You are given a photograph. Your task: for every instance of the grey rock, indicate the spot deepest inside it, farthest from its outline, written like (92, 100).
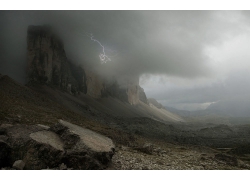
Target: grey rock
(19, 165)
(38, 148)
(48, 137)
(62, 166)
(66, 143)
(85, 149)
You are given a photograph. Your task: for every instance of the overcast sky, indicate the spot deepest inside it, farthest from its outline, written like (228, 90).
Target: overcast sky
(185, 59)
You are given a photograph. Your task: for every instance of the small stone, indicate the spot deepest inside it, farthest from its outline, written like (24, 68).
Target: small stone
(163, 152)
(19, 165)
(62, 166)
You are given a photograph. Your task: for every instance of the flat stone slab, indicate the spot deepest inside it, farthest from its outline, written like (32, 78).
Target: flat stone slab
(48, 137)
(39, 147)
(91, 139)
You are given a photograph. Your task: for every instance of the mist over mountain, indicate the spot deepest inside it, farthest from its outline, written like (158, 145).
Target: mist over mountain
(184, 59)
(234, 107)
(134, 46)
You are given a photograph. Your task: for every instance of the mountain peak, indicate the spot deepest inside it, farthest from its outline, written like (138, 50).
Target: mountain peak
(48, 63)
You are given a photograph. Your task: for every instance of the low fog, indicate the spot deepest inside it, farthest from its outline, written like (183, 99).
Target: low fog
(188, 60)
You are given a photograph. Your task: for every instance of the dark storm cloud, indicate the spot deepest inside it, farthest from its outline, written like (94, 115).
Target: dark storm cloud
(206, 51)
(138, 42)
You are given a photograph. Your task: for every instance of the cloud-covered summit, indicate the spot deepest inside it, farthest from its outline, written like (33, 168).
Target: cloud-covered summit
(137, 42)
(194, 53)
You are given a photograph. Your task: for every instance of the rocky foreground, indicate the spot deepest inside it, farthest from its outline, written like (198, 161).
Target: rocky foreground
(65, 146)
(32, 137)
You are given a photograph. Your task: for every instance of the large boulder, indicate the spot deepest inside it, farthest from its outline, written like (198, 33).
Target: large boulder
(84, 149)
(45, 150)
(64, 143)
(34, 146)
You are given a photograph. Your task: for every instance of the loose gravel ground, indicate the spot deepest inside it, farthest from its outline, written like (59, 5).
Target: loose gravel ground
(173, 158)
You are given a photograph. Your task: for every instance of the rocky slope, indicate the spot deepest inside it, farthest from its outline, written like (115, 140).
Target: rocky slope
(22, 108)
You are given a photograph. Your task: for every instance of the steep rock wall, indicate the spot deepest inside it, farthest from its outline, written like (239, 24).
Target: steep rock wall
(142, 95)
(95, 84)
(133, 91)
(48, 63)
(128, 91)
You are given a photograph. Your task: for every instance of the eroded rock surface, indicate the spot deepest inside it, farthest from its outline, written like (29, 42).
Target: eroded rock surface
(91, 139)
(84, 148)
(48, 63)
(47, 137)
(63, 143)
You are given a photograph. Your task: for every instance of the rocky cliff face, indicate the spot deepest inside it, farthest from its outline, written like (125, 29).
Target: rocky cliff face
(130, 91)
(95, 84)
(142, 96)
(133, 91)
(48, 63)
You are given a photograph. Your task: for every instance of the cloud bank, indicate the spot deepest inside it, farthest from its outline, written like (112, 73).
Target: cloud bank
(182, 57)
